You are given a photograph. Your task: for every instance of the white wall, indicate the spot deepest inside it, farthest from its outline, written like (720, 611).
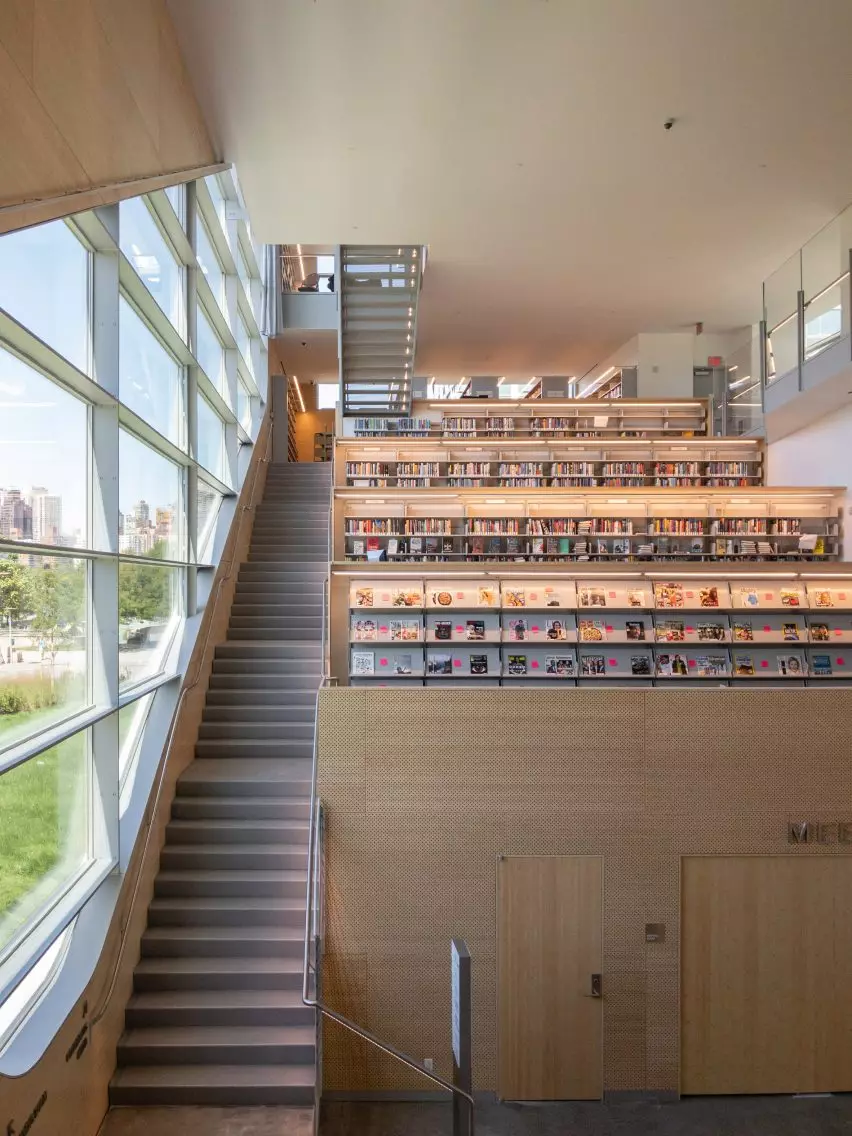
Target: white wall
(818, 454)
(665, 364)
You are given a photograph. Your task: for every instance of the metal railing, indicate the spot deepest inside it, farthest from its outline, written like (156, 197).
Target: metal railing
(315, 901)
(160, 777)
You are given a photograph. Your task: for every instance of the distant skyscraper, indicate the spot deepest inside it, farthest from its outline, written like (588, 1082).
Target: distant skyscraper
(141, 514)
(164, 521)
(46, 516)
(16, 516)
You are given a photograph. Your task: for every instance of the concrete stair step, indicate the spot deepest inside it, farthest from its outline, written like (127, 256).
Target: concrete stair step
(226, 911)
(248, 713)
(234, 1045)
(227, 942)
(222, 973)
(305, 648)
(265, 731)
(189, 885)
(231, 857)
(221, 1086)
(284, 683)
(274, 633)
(208, 830)
(265, 698)
(246, 777)
(298, 748)
(296, 605)
(206, 1008)
(291, 664)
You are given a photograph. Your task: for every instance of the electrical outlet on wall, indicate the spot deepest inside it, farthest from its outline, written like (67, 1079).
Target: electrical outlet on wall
(429, 1062)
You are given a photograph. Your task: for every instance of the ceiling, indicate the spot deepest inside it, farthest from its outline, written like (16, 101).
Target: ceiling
(523, 142)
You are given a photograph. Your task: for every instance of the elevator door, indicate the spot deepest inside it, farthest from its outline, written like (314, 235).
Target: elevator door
(550, 986)
(766, 974)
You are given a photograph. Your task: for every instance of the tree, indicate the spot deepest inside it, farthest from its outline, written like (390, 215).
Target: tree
(57, 603)
(14, 590)
(144, 593)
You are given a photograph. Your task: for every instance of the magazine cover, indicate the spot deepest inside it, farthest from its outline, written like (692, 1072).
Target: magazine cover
(442, 599)
(822, 598)
(439, 664)
(560, 665)
(709, 666)
(479, 664)
(790, 598)
(592, 665)
(517, 665)
(363, 597)
(743, 631)
(591, 630)
(749, 597)
(819, 632)
(635, 628)
(402, 665)
(793, 667)
(711, 632)
(365, 629)
(487, 596)
(443, 629)
(708, 596)
(668, 595)
(405, 597)
(821, 664)
(790, 632)
(475, 629)
(743, 665)
(635, 597)
(640, 665)
(363, 663)
(671, 631)
(591, 596)
(556, 629)
(405, 630)
(514, 597)
(518, 630)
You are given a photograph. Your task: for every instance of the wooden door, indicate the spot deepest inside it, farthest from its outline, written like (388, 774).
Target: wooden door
(766, 974)
(549, 912)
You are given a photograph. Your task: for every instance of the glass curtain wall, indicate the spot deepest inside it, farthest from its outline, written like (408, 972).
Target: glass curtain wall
(118, 445)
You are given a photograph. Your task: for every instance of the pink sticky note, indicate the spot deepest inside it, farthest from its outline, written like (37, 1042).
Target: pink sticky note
(690, 595)
(764, 662)
(608, 628)
(838, 631)
(613, 662)
(534, 664)
(612, 595)
(535, 629)
(841, 663)
(383, 630)
(459, 628)
(459, 595)
(383, 662)
(690, 630)
(769, 595)
(841, 595)
(533, 595)
(456, 662)
(691, 663)
(767, 628)
(386, 596)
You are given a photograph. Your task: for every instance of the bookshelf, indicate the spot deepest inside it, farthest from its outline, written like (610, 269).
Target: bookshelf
(540, 418)
(558, 463)
(649, 628)
(628, 525)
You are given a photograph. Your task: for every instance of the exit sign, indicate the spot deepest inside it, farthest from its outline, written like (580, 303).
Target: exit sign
(714, 360)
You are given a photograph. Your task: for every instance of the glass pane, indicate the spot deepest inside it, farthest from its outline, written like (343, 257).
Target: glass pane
(150, 380)
(177, 196)
(43, 456)
(145, 247)
(211, 439)
(209, 352)
(44, 285)
(244, 408)
(208, 262)
(45, 808)
(131, 725)
(244, 342)
(150, 502)
(43, 643)
(243, 271)
(215, 190)
(150, 606)
(207, 508)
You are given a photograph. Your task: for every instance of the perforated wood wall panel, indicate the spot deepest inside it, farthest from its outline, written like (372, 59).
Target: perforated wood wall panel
(425, 788)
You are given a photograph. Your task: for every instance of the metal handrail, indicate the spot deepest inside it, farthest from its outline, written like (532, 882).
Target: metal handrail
(316, 852)
(161, 772)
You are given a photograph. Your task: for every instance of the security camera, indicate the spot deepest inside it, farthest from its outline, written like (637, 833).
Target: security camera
(304, 343)
(668, 124)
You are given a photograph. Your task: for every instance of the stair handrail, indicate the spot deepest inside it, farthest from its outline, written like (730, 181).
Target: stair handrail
(315, 891)
(153, 809)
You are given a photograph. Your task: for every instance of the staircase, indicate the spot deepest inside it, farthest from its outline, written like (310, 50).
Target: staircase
(216, 1017)
(379, 289)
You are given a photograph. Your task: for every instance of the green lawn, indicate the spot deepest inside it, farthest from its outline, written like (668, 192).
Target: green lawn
(43, 828)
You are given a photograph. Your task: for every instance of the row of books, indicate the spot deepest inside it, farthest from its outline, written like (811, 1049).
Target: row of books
(656, 664)
(696, 469)
(501, 545)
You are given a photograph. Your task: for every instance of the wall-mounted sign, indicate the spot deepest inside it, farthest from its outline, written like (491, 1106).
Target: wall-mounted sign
(655, 932)
(819, 832)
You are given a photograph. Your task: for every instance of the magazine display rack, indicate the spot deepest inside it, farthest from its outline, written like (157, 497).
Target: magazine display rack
(645, 628)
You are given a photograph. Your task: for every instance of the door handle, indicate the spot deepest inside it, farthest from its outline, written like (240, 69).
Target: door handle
(596, 987)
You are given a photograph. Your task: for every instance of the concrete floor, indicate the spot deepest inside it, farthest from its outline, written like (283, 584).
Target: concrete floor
(208, 1122)
(708, 1116)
